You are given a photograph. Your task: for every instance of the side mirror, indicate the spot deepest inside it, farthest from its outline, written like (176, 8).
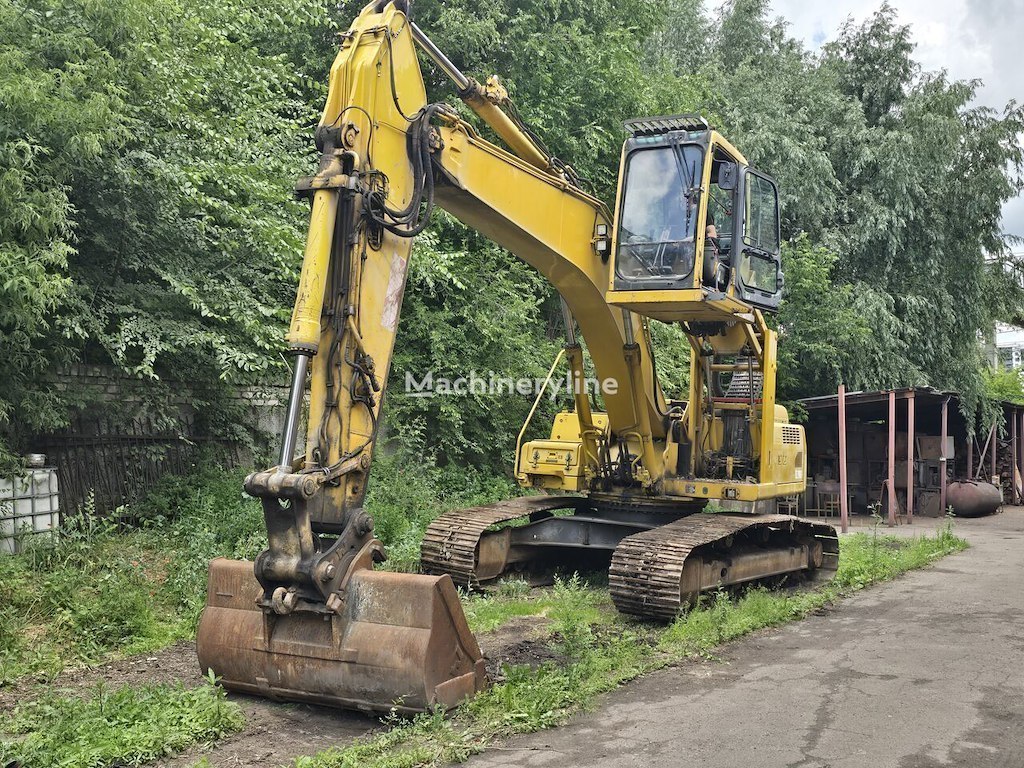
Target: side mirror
(780, 281)
(728, 174)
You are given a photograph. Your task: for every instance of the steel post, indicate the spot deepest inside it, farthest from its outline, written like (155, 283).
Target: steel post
(1013, 456)
(844, 512)
(970, 453)
(942, 455)
(892, 457)
(992, 438)
(1019, 463)
(910, 457)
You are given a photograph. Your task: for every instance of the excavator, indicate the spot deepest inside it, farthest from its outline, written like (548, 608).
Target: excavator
(678, 496)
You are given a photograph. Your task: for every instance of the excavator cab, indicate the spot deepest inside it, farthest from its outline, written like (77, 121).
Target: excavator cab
(679, 248)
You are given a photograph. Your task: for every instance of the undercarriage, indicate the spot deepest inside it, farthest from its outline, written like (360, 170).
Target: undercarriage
(661, 553)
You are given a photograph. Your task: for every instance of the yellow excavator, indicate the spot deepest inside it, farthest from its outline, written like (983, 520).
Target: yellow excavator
(679, 496)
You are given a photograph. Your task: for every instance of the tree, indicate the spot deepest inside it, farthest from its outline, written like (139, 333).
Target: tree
(148, 147)
(148, 154)
(877, 69)
(895, 174)
(62, 109)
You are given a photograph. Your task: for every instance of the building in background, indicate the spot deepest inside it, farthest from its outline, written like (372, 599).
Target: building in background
(1009, 347)
(905, 444)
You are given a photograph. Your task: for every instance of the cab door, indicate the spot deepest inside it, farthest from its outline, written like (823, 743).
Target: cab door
(757, 247)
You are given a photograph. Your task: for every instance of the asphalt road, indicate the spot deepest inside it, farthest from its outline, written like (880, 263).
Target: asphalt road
(921, 672)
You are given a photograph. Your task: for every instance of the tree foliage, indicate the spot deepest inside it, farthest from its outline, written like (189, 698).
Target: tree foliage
(893, 181)
(148, 148)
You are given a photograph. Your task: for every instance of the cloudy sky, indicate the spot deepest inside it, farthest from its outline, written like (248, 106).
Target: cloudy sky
(981, 39)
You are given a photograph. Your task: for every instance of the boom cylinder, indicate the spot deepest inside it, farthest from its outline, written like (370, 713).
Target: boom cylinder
(304, 333)
(291, 422)
(479, 99)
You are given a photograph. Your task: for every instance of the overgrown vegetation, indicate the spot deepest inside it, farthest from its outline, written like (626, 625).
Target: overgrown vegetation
(125, 727)
(598, 649)
(128, 585)
(146, 152)
(95, 591)
(107, 589)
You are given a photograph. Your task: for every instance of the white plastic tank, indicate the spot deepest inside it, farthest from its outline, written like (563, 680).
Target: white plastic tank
(29, 506)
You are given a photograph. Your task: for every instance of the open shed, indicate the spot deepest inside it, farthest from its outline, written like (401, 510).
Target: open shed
(902, 448)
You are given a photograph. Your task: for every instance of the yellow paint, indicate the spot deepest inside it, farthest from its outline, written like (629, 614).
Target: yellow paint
(304, 333)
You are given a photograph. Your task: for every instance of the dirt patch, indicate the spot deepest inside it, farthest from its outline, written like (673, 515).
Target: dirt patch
(174, 663)
(522, 640)
(275, 733)
(531, 653)
(513, 631)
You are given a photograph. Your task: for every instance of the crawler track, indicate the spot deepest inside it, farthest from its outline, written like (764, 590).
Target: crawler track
(450, 542)
(646, 576)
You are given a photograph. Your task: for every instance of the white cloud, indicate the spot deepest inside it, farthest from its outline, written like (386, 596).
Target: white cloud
(970, 39)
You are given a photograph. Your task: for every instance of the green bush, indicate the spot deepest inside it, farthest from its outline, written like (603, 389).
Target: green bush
(406, 494)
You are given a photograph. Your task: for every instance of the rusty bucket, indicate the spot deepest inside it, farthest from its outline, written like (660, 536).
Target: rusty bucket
(400, 642)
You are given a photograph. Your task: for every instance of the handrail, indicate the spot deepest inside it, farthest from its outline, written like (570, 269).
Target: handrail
(533, 410)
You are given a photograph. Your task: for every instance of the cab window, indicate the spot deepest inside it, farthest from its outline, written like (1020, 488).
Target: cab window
(762, 230)
(758, 269)
(658, 219)
(760, 272)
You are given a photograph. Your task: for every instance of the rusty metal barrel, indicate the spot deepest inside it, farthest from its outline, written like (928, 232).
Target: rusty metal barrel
(973, 498)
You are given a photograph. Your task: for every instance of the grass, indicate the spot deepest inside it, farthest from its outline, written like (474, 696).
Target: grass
(600, 650)
(105, 588)
(512, 599)
(137, 582)
(125, 727)
(405, 496)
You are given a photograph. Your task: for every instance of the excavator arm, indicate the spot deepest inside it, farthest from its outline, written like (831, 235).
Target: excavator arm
(318, 623)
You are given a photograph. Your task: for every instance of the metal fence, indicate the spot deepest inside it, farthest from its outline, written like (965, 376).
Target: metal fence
(104, 463)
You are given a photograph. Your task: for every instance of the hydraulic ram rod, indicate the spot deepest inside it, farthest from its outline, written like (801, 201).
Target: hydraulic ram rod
(481, 99)
(291, 422)
(438, 57)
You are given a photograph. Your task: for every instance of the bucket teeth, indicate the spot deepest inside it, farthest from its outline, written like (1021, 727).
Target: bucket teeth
(397, 642)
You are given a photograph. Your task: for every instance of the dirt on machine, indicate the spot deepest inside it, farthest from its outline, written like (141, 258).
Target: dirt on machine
(676, 496)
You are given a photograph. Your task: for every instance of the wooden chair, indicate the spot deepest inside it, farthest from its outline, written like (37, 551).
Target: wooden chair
(830, 504)
(789, 505)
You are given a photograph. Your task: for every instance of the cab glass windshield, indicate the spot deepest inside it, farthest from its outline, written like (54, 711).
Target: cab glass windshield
(659, 214)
